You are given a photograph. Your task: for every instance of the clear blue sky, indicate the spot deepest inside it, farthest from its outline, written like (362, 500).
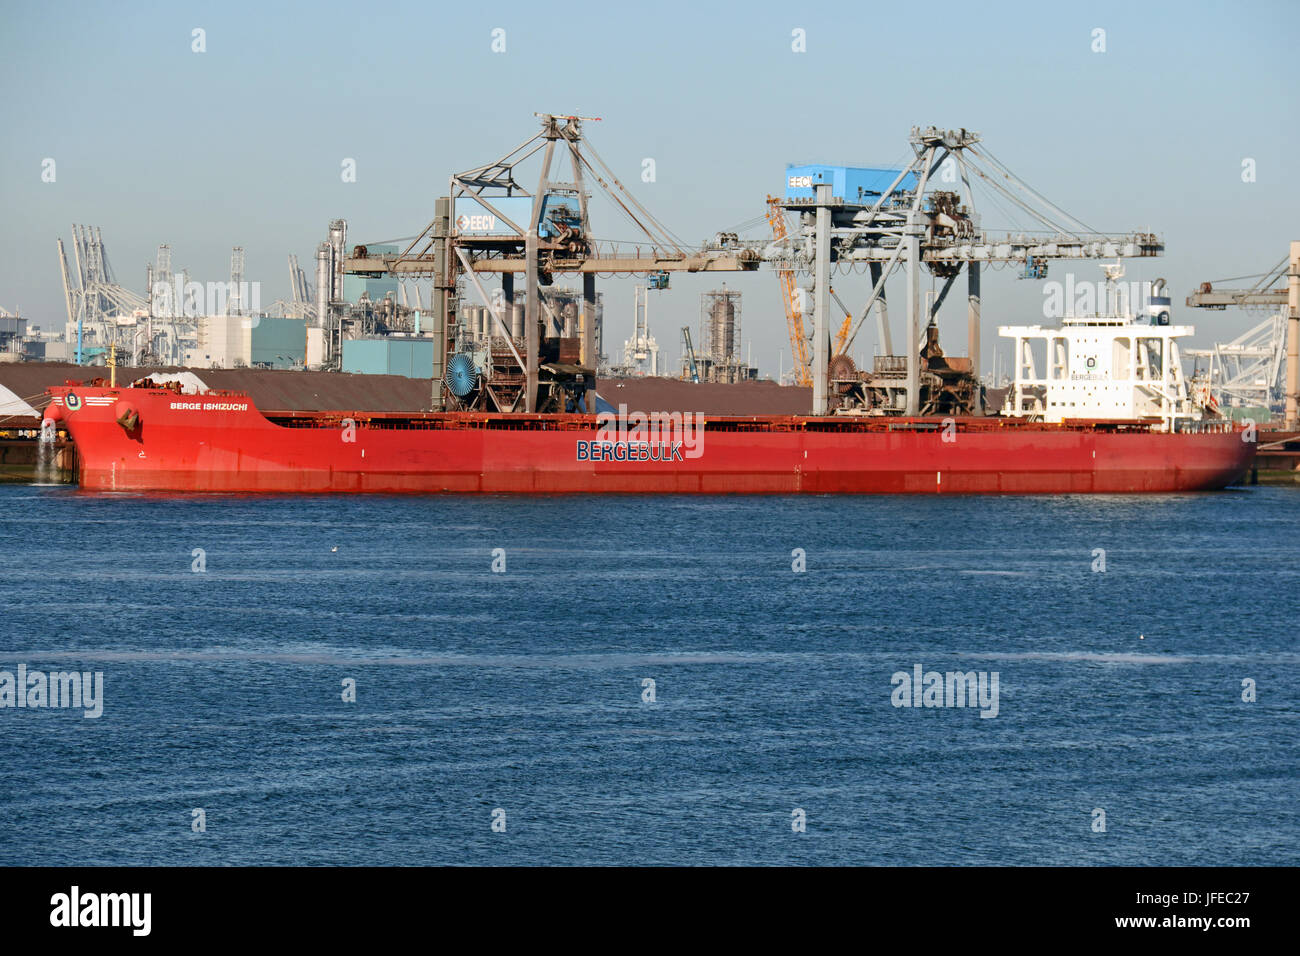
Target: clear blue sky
(242, 144)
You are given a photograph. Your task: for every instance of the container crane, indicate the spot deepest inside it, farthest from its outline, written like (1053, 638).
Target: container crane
(1262, 293)
(1267, 292)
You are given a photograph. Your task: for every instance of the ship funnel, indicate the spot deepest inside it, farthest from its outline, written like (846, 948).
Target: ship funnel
(1159, 305)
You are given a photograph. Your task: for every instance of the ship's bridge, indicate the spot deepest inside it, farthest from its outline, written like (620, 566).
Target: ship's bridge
(1099, 367)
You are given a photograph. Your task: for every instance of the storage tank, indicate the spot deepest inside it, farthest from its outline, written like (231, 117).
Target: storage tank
(570, 316)
(517, 321)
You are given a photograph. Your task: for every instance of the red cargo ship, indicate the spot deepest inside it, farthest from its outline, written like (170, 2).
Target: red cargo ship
(154, 438)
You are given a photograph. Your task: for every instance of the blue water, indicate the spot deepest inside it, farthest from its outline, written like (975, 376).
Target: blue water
(522, 690)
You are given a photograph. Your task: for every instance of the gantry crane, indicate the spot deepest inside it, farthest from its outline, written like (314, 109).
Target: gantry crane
(491, 224)
(1267, 292)
(1261, 293)
(905, 222)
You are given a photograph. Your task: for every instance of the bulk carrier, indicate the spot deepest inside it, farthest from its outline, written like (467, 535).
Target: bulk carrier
(1108, 411)
(1099, 404)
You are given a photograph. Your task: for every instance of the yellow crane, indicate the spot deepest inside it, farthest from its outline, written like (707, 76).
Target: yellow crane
(842, 335)
(793, 314)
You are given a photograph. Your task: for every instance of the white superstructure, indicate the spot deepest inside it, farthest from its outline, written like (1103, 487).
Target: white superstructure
(641, 351)
(1104, 366)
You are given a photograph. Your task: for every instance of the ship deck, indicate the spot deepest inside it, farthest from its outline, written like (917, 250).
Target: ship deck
(714, 423)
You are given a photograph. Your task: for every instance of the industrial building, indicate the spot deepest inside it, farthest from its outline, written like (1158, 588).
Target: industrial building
(13, 336)
(718, 358)
(641, 351)
(234, 341)
(397, 354)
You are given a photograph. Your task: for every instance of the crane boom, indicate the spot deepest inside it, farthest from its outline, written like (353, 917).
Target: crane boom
(1265, 292)
(690, 354)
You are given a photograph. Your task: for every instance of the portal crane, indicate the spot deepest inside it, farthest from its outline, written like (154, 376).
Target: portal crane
(908, 219)
(490, 224)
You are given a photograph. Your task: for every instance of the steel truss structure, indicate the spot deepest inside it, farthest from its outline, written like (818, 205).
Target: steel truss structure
(1249, 369)
(938, 229)
(545, 244)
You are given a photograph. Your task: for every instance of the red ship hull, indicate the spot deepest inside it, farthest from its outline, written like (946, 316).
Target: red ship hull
(153, 439)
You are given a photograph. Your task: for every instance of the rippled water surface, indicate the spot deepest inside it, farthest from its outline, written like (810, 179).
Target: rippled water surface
(523, 690)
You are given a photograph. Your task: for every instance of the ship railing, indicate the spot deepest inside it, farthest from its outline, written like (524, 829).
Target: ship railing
(1214, 427)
